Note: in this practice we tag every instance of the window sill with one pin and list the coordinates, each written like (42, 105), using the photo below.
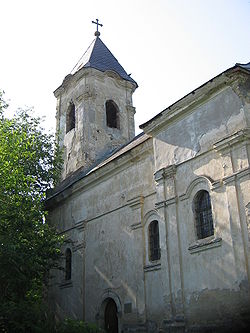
(72, 130)
(66, 284)
(152, 267)
(205, 244)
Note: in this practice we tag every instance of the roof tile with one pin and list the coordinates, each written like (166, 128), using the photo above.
(98, 56)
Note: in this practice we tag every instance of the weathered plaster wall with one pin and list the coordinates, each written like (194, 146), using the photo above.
(207, 149)
(196, 131)
(210, 272)
(114, 246)
(197, 284)
(107, 218)
(67, 296)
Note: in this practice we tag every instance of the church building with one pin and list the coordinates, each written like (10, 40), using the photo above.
(157, 226)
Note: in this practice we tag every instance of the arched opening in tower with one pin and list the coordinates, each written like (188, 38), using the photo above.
(112, 114)
(70, 117)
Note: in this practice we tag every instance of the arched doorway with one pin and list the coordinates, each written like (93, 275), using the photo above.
(110, 317)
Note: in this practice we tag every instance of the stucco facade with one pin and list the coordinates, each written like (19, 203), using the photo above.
(107, 201)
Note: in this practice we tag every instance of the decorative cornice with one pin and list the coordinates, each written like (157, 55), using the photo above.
(199, 180)
(166, 203)
(66, 284)
(210, 183)
(72, 79)
(160, 204)
(136, 202)
(235, 176)
(79, 246)
(171, 201)
(194, 99)
(205, 244)
(131, 109)
(136, 226)
(241, 86)
(165, 173)
(216, 185)
(112, 74)
(226, 143)
(159, 175)
(86, 93)
(169, 171)
(185, 106)
(80, 225)
(152, 267)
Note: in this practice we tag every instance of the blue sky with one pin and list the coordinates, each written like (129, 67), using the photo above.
(170, 46)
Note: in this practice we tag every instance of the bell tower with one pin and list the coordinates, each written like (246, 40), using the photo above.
(95, 112)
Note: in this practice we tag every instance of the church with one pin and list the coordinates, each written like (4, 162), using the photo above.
(157, 226)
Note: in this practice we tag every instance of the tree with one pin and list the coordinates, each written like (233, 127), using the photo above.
(29, 247)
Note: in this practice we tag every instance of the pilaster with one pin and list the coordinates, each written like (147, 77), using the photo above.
(136, 205)
(131, 121)
(235, 160)
(167, 206)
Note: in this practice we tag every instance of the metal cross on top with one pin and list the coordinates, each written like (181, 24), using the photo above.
(97, 33)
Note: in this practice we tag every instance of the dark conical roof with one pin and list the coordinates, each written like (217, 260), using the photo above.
(99, 57)
(244, 66)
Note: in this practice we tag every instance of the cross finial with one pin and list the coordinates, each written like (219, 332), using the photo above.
(97, 33)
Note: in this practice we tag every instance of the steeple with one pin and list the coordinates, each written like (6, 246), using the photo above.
(98, 56)
(95, 112)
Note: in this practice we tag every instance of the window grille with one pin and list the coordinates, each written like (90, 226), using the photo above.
(68, 264)
(203, 215)
(154, 245)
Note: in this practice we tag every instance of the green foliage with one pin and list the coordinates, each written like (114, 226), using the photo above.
(77, 326)
(26, 317)
(29, 165)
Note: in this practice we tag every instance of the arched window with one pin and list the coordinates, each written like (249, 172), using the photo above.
(112, 114)
(70, 117)
(203, 215)
(68, 264)
(154, 244)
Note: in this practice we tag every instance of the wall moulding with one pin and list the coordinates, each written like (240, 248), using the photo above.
(136, 226)
(152, 267)
(205, 244)
(160, 204)
(241, 86)
(80, 225)
(136, 202)
(166, 203)
(207, 181)
(223, 145)
(66, 284)
(236, 176)
(165, 173)
(79, 246)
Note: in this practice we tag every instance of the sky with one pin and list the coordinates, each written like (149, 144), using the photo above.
(171, 47)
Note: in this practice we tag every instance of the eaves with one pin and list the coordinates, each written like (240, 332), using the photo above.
(102, 173)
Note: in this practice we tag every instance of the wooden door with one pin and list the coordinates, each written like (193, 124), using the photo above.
(110, 317)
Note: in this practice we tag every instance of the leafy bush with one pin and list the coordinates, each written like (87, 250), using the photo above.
(30, 164)
(77, 326)
(25, 317)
